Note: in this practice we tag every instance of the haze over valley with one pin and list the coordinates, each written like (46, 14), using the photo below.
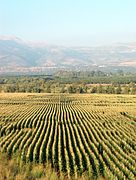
(17, 55)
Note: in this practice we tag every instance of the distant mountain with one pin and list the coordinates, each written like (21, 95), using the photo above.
(17, 55)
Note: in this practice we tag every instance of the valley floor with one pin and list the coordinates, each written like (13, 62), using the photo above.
(87, 136)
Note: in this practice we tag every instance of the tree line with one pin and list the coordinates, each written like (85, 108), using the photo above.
(96, 83)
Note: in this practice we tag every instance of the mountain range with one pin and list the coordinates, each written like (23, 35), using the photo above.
(17, 55)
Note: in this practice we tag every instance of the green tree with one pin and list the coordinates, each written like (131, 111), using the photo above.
(110, 89)
(133, 89)
(118, 90)
(71, 89)
(93, 90)
(99, 89)
(48, 89)
(81, 90)
(63, 89)
(126, 89)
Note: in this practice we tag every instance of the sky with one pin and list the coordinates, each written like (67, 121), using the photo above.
(69, 22)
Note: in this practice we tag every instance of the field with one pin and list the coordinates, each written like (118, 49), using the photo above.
(73, 133)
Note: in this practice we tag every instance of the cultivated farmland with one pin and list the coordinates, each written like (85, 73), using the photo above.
(74, 133)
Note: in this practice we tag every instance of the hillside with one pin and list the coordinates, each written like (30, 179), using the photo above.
(17, 55)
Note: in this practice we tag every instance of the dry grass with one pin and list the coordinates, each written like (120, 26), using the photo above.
(10, 169)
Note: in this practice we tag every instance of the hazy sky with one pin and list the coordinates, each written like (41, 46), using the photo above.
(69, 22)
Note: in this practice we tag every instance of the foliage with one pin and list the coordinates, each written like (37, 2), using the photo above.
(78, 135)
(71, 82)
